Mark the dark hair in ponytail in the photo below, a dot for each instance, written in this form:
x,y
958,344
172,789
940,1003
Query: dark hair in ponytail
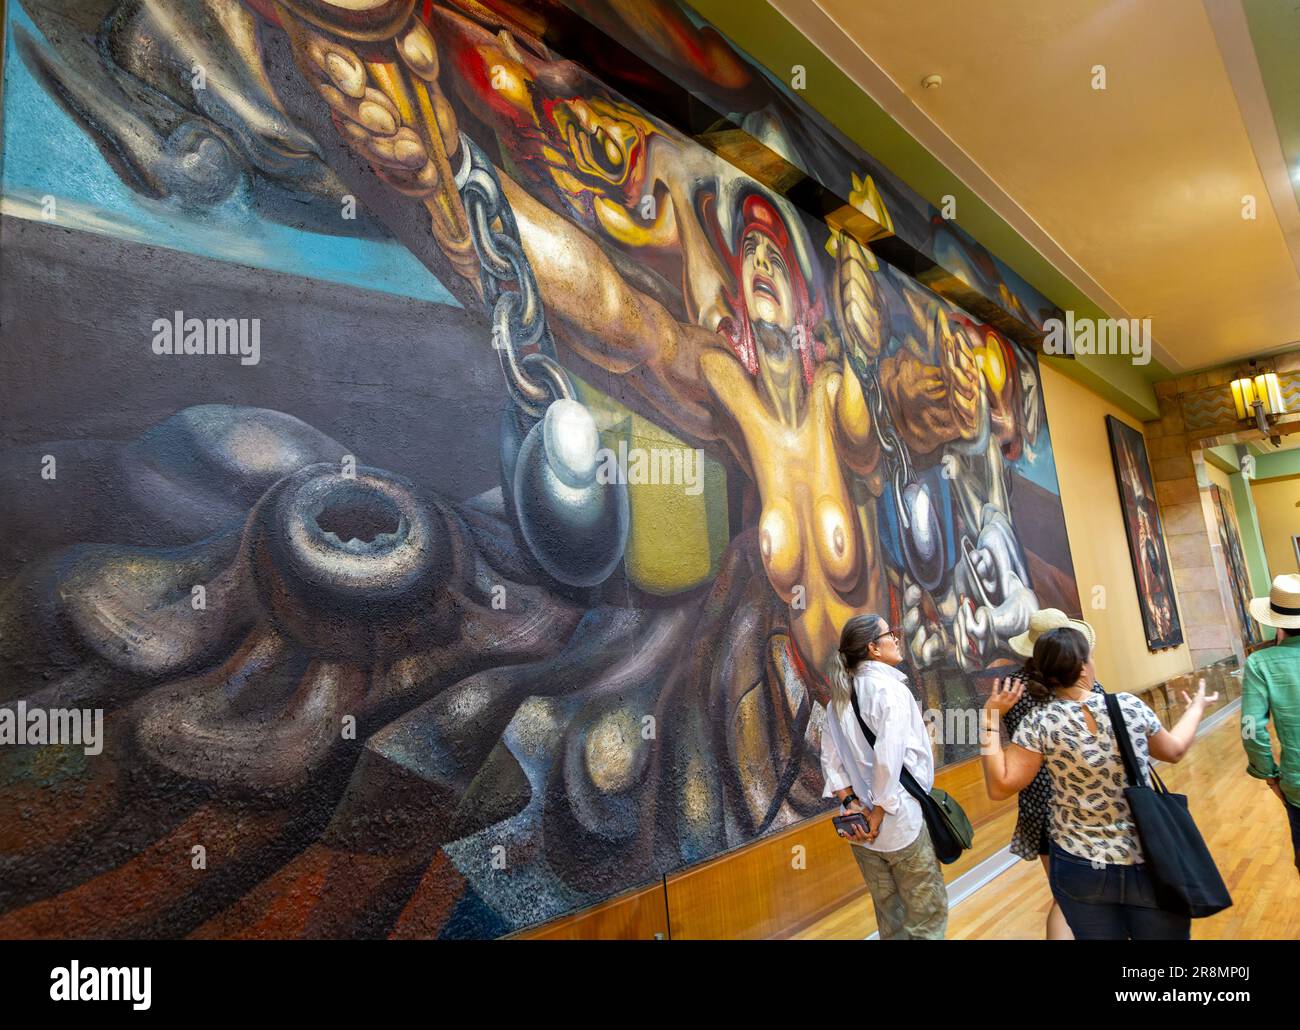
x,y
855,641
1059,658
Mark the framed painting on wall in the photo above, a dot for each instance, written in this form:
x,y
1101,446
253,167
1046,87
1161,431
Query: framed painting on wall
x,y
1146,541
1235,561
1295,542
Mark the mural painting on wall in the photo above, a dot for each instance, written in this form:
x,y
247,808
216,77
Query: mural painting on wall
x,y
500,568
1146,540
1234,559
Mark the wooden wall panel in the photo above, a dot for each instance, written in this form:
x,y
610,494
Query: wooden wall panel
x,y
767,889
758,892
635,916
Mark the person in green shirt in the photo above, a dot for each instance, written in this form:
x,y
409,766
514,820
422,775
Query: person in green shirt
x,y
1270,687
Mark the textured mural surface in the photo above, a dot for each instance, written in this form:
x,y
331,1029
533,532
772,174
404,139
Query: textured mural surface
x,y
1234,559
447,472
1146,539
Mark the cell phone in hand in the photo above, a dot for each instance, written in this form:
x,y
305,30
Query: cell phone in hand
x,y
844,823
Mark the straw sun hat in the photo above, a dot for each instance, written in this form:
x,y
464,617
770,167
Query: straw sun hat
x,y
1281,608
1052,618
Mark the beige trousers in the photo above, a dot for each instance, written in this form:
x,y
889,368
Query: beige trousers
x,y
907,890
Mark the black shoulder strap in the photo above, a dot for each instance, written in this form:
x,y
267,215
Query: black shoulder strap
x,y
857,710
1120,729
905,778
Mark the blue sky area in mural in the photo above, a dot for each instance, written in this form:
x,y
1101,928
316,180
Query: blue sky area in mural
x,y
47,154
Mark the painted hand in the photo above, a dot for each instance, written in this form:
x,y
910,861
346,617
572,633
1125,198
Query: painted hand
x,y
860,303
962,379
391,111
927,640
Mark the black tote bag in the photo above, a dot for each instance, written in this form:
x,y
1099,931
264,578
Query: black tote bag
x,y
1186,879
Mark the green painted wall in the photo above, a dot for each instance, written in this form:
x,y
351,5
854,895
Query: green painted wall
x,y
1224,458
1277,463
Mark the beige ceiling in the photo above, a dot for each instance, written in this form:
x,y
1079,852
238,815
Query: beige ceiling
x,y
1135,192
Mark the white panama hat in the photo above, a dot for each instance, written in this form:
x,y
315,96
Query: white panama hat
x,y
1043,620
1281,608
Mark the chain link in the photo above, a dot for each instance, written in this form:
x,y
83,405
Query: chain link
x,y
535,378
893,447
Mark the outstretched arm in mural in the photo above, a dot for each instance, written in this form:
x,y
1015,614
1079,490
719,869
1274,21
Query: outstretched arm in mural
x,y
737,353
387,103
576,166
594,312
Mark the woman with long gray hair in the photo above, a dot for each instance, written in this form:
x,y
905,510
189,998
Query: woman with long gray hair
x,y
894,850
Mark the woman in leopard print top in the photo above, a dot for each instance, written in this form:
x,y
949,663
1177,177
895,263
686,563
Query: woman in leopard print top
x,y
1096,873
1030,839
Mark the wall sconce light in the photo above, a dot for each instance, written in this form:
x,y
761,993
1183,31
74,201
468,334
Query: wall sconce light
x,y
1257,395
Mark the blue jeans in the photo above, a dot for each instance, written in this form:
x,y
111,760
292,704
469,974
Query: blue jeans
x,y
1112,902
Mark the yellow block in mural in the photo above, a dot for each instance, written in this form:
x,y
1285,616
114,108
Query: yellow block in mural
x,y
677,498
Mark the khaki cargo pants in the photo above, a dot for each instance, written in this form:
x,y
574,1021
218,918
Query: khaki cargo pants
x,y
907,890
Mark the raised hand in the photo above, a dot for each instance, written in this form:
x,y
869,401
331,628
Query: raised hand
x,y
1201,697
1006,692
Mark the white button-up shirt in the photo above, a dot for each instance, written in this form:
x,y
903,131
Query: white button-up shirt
x,y
893,715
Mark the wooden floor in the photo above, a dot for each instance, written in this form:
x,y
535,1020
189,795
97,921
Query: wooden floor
x,y
1243,823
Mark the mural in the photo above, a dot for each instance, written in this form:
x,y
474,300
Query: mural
x,y
1235,560
448,477
1146,540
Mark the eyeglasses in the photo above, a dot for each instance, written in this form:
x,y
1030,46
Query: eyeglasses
x,y
892,634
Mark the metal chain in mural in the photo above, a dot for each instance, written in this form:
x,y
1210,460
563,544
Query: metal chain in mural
x,y
518,318
575,527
